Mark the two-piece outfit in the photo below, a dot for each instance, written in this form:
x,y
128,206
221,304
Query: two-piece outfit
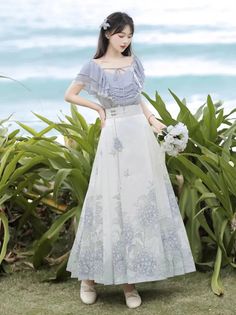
x,y
130,229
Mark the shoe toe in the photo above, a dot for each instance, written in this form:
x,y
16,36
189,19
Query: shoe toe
x,y
133,302
88,293
88,297
133,299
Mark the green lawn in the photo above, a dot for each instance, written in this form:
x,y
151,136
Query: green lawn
x,y
24,293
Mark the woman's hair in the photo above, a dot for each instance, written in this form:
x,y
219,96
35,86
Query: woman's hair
x,y
117,21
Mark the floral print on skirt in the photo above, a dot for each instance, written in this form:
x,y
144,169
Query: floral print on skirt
x,y
130,227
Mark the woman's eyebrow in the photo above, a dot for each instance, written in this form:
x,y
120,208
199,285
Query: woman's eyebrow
x,y
125,33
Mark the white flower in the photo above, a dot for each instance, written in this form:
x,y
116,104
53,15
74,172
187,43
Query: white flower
x,y
105,24
176,139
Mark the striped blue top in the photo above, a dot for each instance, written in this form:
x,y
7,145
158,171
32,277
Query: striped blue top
x,y
113,86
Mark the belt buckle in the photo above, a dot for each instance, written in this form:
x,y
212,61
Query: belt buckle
x,y
113,111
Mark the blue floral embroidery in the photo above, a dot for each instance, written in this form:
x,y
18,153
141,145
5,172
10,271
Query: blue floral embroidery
x,y
170,240
128,233
85,261
133,253
117,144
98,258
86,257
119,259
147,207
88,213
118,202
126,172
98,210
144,263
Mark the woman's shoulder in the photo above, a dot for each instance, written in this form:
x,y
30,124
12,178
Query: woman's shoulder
x,y
139,63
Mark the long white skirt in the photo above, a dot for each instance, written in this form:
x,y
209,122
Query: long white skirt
x,y
130,227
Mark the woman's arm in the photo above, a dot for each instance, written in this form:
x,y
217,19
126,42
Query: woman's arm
x,y
71,96
151,118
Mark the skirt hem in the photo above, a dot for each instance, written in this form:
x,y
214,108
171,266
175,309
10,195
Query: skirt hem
x,y
135,281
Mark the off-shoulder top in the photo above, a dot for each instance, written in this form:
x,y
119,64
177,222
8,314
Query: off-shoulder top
x,y
113,86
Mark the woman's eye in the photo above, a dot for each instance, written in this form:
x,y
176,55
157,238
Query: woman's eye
x,y
123,37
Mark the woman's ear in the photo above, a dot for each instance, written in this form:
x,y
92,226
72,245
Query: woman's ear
x,y
107,35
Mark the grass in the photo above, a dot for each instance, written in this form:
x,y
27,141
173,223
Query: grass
x,y
25,293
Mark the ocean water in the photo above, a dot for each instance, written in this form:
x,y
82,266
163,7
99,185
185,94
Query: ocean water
x,y
186,46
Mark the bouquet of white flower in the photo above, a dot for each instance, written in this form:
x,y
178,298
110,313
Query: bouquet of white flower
x,y
174,138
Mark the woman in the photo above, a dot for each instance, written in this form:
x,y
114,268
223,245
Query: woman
x,y
130,228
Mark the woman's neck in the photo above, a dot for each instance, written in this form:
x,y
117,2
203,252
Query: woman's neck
x,y
112,54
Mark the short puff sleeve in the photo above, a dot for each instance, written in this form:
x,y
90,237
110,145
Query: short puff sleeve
x,y
139,72
83,77
93,79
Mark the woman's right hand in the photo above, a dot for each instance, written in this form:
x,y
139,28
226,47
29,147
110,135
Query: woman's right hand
x,y
102,115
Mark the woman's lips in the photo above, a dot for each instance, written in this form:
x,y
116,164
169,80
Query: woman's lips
x,y
122,46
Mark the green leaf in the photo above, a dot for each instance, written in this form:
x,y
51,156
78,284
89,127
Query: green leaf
x,y
189,120
209,121
10,168
27,128
25,168
6,235
79,118
216,283
44,245
161,109
62,174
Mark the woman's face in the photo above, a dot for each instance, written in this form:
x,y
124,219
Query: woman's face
x,y
120,41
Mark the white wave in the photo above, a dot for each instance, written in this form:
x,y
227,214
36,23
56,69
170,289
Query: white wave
x,y
49,41
222,36
74,13
52,110
153,68
151,37
71,15
188,66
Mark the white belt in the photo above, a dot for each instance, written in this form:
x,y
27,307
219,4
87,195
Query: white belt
x,y
124,110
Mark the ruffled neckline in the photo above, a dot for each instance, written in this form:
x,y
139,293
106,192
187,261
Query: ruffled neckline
x,y
117,68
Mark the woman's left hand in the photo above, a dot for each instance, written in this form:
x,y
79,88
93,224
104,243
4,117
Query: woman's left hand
x,y
157,125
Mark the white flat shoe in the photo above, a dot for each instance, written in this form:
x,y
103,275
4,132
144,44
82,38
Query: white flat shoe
x,y
132,298
88,293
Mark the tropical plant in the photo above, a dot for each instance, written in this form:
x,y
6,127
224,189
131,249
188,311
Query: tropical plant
x,y
36,174
43,184
207,189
